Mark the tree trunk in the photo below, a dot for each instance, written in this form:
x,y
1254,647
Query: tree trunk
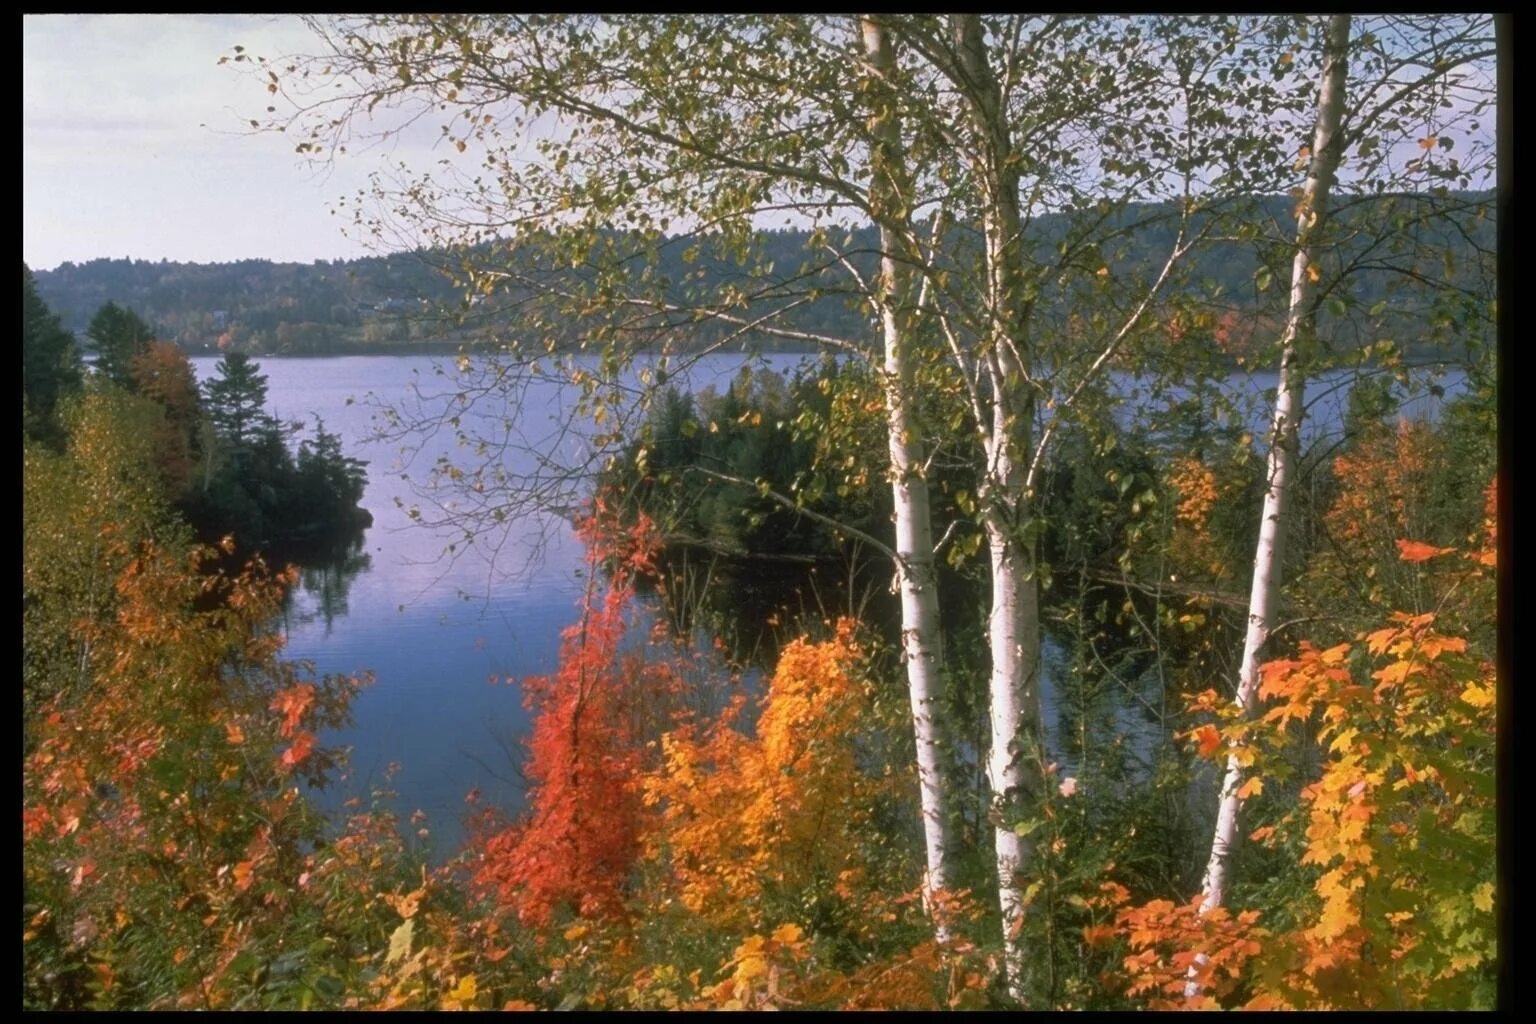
x,y
1013,766
921,638
1284,447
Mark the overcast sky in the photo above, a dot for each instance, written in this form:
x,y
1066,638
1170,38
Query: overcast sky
x,y
131,145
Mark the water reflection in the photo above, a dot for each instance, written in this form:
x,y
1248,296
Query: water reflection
x,y
326,575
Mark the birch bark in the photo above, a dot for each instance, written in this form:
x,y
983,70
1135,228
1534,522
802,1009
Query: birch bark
x,y
890,202
1284,448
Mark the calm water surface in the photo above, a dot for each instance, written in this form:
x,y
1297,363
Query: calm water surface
x,y
442,637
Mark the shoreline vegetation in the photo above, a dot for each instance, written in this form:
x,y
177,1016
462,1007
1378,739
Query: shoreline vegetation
x,y
927,675
409,303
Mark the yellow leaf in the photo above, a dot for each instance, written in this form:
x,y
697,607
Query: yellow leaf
x,y
400,941
1480,697
751,967
464,992
787,934
1482,897
1253,787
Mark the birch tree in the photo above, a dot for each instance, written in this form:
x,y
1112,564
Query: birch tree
x,y
1419,77
1019,140
891,204
1311,215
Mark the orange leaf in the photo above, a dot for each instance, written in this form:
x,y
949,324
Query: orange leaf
x,y
303,743
1098,935
1418,551
1209,740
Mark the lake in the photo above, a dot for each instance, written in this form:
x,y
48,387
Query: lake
x,y
442,638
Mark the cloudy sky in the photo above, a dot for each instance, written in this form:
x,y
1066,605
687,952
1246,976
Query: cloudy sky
x,y
132,145
136,143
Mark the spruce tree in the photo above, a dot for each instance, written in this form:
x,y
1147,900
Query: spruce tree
x,y
119,334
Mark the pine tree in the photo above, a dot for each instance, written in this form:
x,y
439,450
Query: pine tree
x,y
119,335
237,400
50,363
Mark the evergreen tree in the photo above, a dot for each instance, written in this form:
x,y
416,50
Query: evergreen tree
x,y
330,482
237,400
50,363
119,334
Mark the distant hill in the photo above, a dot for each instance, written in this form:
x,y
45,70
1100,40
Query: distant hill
x,y
406,302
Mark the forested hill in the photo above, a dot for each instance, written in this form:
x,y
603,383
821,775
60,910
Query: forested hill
x,y
397,302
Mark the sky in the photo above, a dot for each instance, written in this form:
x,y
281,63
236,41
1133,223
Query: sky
x,y
136,143
132,145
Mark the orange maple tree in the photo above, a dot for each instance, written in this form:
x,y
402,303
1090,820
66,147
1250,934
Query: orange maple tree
x,y
1395,832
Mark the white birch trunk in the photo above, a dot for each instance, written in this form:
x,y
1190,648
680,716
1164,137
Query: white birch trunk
x,y
1014,622
916,576
1283,452
1013,635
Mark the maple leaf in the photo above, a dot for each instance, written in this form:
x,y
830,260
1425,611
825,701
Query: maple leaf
x,y
400,941
303,744
1098,935
292,704
1208,740
1415,551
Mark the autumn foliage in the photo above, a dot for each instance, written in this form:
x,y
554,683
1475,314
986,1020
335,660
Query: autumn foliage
x,y
742,815
574,848
1395,832
690,842
162,822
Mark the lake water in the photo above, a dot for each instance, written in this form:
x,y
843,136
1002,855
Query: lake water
x,y
441,637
